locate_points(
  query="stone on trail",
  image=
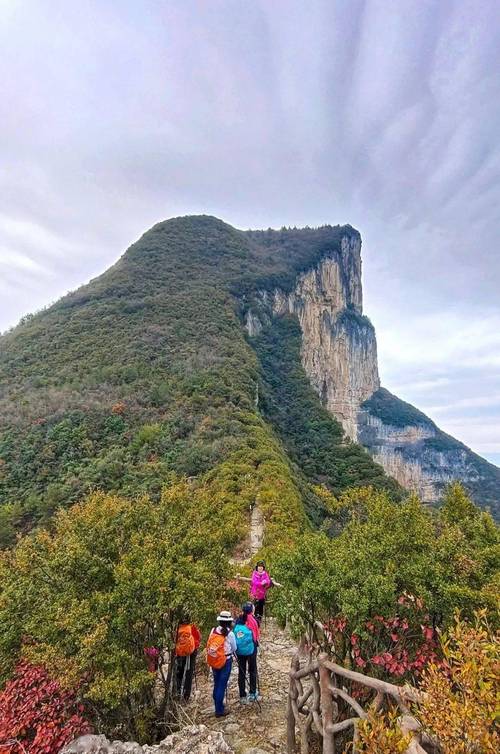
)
(195, 739)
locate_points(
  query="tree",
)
(115, 577)
(387, 555)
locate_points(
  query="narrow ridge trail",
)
(256, 725)
(255, 539)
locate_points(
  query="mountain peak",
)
(148, 371)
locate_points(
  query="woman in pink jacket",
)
(259, 585)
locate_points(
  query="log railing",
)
(316, 688)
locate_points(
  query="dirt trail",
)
(254, 541)
(256, 529)
(260, 725)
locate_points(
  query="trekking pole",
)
(258, 689)
(187, 665)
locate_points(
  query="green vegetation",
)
(138, 425)
(145, 373)
(313, 439)
(115, 577)
(448, 560)
(391, 410)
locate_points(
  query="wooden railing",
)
(316, 689)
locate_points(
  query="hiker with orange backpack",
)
(186, 648)
(221, 646)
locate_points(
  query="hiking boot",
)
(254, 697)
(222, 714)
(244, 700)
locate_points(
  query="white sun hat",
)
(225, 615)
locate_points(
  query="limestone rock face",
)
(421, 457)
(339, 348)
(195, 739)
(339, 355)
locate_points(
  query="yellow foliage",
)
(461, 704)
(380, 734)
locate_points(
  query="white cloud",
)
(269, 114)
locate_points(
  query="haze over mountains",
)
(200, 336)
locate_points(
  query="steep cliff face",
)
(418, 454)
(339, 355)
(339, 348)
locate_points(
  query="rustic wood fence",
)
(316, 692)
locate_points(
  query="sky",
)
(385, 114)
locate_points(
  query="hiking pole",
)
(187, 665)
(258, 689)
(258, 681)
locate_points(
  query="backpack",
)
(216, 656)
(185, 641)
(244, 640)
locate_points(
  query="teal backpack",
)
(244, 640)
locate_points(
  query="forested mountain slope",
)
(146, 374)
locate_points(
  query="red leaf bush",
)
(38, 716)
(401, 646)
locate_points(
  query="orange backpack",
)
(185, 641)
(216, 657)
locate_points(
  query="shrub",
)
(460, 701)
(37, 715)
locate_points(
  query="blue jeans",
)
(221, 678)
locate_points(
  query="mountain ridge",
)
(147, 371)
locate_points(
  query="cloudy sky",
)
(382, 113)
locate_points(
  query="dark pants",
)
(259, 609)
(250, 662)
(184, 672)
(221, 678)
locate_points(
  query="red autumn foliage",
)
(37, 716)
(152, 655)
(400, 646)
(118, 408)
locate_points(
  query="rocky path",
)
(256, 529)
(258, 725)
(253, 543)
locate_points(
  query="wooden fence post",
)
(326, 707)
(291, 743)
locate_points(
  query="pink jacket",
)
(259, 585)
(254, 628)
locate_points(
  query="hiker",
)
(221, 646)
(259, 585)
(247, 633)
(186, 648)
(249, 609)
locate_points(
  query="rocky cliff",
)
(339, 355)
(418, 454)
(339, 348)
